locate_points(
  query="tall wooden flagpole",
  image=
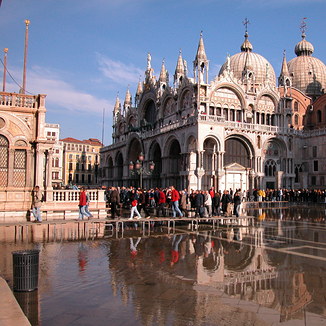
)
(23, 90)
(4, 69)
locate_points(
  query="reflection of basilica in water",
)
(202, 278)
(248, 270)
(239, 130)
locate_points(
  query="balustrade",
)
(18, 100)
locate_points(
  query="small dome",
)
(304, 47)
(248, 60)
(308, 74)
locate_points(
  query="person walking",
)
(134, 210)
(237, 203)
(82, 204)
(161, 203)
(175, 202)
(114, 202)
(184, 203)
(87, 205)
(217, 204)
(226, 202)
(37, 198)
(208, 203)
(199, 204)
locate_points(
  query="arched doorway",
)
(135, 148)
(237, 164)
(119, 169)
(174, 164)
(156, 157)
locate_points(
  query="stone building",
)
(245, 129)
(25, 152)
(52, 132)
(80, 161)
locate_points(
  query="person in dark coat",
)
(237, 203)
(114, 202)
(226, 200)
(199, 203)
(217, 204)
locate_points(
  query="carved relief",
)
(169, 107)
(14, 129)
(186, 102)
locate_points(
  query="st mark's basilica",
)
(245, 129)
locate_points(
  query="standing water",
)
(272, 273)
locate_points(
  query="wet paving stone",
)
(267, 274)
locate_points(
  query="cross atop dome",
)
(303, 27)
(246, 22)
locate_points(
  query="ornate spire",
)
(117, 106)
(284, 79)
(127, 102)
(163, 73)
(201, 63)
(201, 54)
(180, 65)
(285, 69)
(179, 73)
(139, 88)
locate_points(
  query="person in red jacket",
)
(175, 196)
(82, 204)
(161, 203)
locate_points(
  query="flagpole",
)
(103, 127)
(27, 22)
(4, 69)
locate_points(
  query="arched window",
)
(19, 179)
(4, 146)
(319, 119)
(270, 168)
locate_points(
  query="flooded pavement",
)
(273, 273)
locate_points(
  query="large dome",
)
(247, 60)
(308, 74)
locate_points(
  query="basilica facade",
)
(245, 129)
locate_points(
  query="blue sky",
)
(83, 52)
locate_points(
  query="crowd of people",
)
(166, 202)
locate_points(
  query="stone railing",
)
(73, 195)
(15, 205)
(18, 100)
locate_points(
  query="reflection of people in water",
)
(198, 244)
(82, 257)
(175, 248)
(133, 247)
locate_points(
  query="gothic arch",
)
(148, 110)
(191, 143)
(155, 155)
(109, 166)
(236, 90)
(134, 149)
(246, 141)
(271, 96)
(119, 165)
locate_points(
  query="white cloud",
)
(119, 72)
(60, 93)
